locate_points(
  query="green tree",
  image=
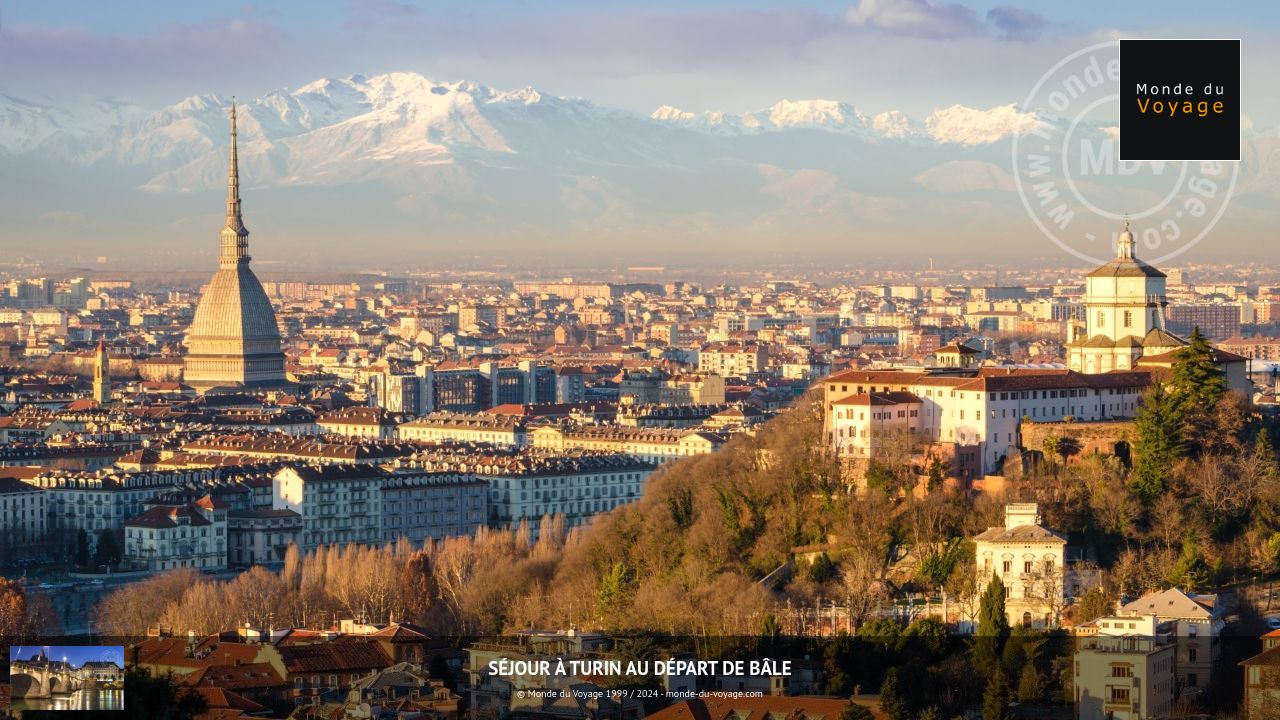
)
(1198, 384)
(108, 551)
(893, 699)
(1030, 687)
(1051, 448)
(822, 570)
(995, 699)
(1190, 571)
(1195, 375)
(82, 548)
(1159, 427)
(615, 588)
(854, 711)
(1095, 603)
(835, 664)
(927, 635)
(993, 626)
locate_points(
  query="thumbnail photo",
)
(65, 677)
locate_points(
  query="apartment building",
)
(1126, 670)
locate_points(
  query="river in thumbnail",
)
(78, 700)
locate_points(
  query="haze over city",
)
(394, 134)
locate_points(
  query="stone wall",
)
(1111, 437)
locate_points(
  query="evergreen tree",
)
(993, 626)
(822, 570)
(995, 700)
(1196, 377)
(82, 548)
(854, 711)
(1159, 427)
(108, 552)
(893, 700)
(1190, 571)
(1030, 688)
(1198, 384)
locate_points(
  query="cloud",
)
(917, 18)
(1013, 23)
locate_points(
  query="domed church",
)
(234, 341)
(1124, 315)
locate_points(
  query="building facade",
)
(1029, 561)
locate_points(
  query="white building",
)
(172, 536)
(260, 535)
(339, 504)
(507, 430)
(1028, 559)
(578, 486)
(1124, 314)
(975, 413)
(1197, 623)
(732, 359)
(423, 506)
(655, 445)
(23, 514)
(359, 422)
(1125, 671)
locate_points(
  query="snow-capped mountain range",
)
(356, 128)
(440, 160)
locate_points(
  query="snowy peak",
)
(968, 126)
(954, 125)
(895, 125)
(824, 114)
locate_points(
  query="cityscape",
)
(778, 475)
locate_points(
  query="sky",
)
(77, 655)
(914, 56)
(909, 55)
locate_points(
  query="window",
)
(1102, 317)
(1128, 318)
(1119, 694)
(1122, 671)
(1008, 565)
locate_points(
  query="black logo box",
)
(1187, 68)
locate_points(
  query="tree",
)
(1095, 603)
(108, 551)
(82, 548)
(893, 700)
(995, 699)
(1030, 687)
(13, 608)
(822, 569)
(1198, 384)
(993, 625)
(854, 711)
(1159, 427)
(1051, 448)
(1190, 571)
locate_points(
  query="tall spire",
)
(235, 236)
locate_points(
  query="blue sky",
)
(77, 655)
(911, 55)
